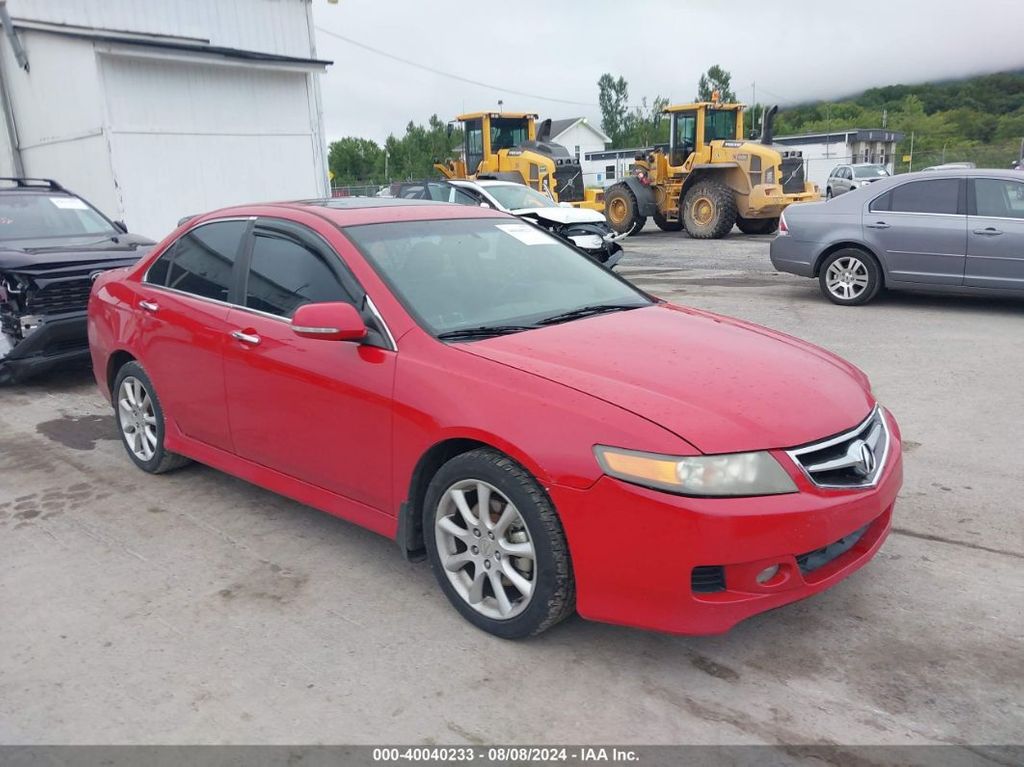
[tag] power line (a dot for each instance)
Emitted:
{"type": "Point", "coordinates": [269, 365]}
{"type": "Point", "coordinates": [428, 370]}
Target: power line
{"type": "Point", "coordinates": [449, 75]}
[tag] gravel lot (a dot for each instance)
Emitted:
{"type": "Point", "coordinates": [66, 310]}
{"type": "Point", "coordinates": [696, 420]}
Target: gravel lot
{"type": "Point", "coordinates": [194, 608]}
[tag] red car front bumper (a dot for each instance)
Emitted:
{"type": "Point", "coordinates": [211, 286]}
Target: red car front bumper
{"type": "Point", "coordinates": [634, 550]}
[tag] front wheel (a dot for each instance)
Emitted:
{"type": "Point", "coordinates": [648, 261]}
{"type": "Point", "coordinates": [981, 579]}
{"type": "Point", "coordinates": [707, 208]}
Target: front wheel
{"type": "Point", "coordinates": [622, 210]}
{"type": "Point", "coordinates": [496, 545]}
{"type": "Point", "coordinates": [850, 277]}
{"type": "Point", "coordinates": [828, 193]}
{"type": "Point", "coordinates": [140, 419]}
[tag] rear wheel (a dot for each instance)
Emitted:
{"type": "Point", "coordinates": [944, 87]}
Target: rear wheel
{"type": "Point", "coordinates": [757, 225]}
{"type": "Point", "coordinates": [850, 277]}
{"type": "Point", "coordinates": [709, 210]}
{"type": "Point", "coordinates": [665, 225]}
{"type": "Point", "coordinates": [622, 211]}
{"type": "Point", "coordinates": [496, 545]}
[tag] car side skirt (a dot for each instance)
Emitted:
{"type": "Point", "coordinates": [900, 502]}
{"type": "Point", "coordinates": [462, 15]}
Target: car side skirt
{"type": "Point", "coordinates": [282, 484]}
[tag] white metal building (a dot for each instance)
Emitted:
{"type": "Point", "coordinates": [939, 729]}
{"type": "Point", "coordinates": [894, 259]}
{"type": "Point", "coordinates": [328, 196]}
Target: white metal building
{"type": "Point", "coordinates": [155, 110]}
{"type": "Point", "coordinates": [580, 137]}
{"type": "Point", "coordinates": [824, 151]}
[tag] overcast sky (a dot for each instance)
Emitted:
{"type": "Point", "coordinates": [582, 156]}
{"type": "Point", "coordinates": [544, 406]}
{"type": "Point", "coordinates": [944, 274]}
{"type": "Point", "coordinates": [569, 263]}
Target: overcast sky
{"type": "Point", "coordinates": [797, 50]}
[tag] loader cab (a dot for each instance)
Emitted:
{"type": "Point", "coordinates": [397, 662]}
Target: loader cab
{"type": "Point", "coordinates": [487, 133]}
{"type": "Point", "coordinates": [692, 127]}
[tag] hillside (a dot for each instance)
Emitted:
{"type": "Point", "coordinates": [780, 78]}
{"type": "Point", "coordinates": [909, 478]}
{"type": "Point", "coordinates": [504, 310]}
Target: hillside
{"type": "Point", "coordinates": [980, 119]}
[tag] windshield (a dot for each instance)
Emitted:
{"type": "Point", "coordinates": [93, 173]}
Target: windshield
{"type": "Point", "coordinates": [35, 216]}
{"type": "Point", "coordinates": [870, 171]}
{"type": "Point", "coordinates": [469, 273]}
{"type": "Point", "coordinates": [508, 132]}
{"type": "Point", "coordinates": [517, 196]}
{"type": "Point", "coordinates": [719, 124]}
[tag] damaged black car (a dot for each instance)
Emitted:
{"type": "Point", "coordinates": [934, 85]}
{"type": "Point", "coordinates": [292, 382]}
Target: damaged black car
{"type": "Point", "coordinates": [52, 245]}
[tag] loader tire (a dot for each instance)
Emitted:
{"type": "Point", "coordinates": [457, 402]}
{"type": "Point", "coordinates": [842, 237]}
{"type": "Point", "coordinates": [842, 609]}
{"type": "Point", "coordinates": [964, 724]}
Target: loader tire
{"type": "Point", "coordinates": [665, 225]}
{"type": "Point", "coordinates": [709, 210]}
{"type": "Point", "coordinates": [621, 210]}
{"type": "Point", "coordinates": [757, 225]}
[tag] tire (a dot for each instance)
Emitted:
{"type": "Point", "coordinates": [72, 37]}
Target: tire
{"type": "Point", "coordinates": [451, 538]}
{"type": "Point", "coordinates": [757, 225]}
{"type": "Point", "coordinates": [850, 277]}
{"type": "Point", "coordinates": [665, 225]}
{"type": "Point", "coordinates": [828, 193]}
{"type": "Point", "coordinates": [709, 210]}
{"type": "Point", "coordinates": [621, 210]}
{"type": "Point", "coordinates": [137, 404]}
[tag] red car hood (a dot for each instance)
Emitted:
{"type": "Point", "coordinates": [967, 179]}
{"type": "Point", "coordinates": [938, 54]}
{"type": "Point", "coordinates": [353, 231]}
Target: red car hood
{"type": "Point", "coordinates": [720, 384]}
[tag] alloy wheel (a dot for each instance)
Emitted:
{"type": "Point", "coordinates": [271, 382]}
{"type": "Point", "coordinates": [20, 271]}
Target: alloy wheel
{"type": "Point", "coordinates": [137, 418]}
{"type": "Point", "coordinates": [485, 549]}
{"type": "Point", "coordinates": [847, 277]}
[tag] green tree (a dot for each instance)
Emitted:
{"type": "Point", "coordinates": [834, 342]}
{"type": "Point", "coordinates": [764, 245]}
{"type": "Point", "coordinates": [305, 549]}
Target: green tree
{"type": "Point", "coordinates": [613, 98]}
{"type": "Point", "coordinates": [355, 160]}
{"type": "Point", "coordinates": [646, 125]}
{"type": "Point", "coordinates": [715, 79]}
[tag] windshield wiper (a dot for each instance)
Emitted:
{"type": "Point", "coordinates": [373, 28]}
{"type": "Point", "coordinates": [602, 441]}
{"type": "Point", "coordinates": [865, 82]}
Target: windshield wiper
{"type": "Point", "coordinates": [587, 311]}
{"type": "Point", "coordinates": [483, 331]}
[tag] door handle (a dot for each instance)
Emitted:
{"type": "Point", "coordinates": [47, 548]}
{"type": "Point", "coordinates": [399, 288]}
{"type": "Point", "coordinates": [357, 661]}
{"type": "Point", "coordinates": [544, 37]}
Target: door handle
{"type": "Point", "coordinates": [246, 338]}
{"type": "Point", "coordinates": [148, 306]}
{"type": "Point", "coordinates": [878, 225]}
{"type": "Point", "coordinates": [989, 231]}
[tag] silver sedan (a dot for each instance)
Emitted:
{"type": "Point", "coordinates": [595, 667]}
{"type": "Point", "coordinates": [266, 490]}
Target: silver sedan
{"type": "Point", "coordinates": [953, 231]}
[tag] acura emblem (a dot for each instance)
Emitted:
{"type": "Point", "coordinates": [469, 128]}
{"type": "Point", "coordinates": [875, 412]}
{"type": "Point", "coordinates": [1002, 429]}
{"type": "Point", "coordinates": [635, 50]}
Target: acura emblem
{"type": "Point", "coordinates": [865, 457]}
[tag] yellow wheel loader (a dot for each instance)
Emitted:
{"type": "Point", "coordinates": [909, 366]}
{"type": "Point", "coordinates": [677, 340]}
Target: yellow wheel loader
{"type": "Point", "coordinates": [510, 146]}
{"type": "Point", "coordinates": [709, 177]}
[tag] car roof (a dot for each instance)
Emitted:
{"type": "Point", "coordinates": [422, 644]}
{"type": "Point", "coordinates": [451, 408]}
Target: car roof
{"type": "Point", "coordinates": [353, 211]}
{"type": "Point", "coordinates": [484, 182]}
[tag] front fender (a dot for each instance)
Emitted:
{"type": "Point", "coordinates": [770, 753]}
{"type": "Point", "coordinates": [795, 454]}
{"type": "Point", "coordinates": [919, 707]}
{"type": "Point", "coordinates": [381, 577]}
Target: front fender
{"type": "Point", "coordinates": [645, 203]}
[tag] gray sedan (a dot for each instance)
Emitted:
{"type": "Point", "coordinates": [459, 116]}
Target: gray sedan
{"type": "Point", "coordinates": [954, 231]}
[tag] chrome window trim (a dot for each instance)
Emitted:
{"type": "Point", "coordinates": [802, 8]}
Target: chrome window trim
{"type": "Point", "coordinates": [392, 344]}
{"type": "Point", "coordinates": [377, 315]}
{"type": "Point", "coordinates": [846, 436]}
{"type": "Point", "coordinates": [145, 275]}
{"type": "Point", "coordinates": [915, 213]}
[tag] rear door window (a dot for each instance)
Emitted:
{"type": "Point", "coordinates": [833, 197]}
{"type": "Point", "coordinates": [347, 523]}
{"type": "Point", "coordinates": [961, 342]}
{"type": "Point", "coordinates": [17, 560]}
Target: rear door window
{"type": "Point", "coordinates": [941, 195]}
{"type": "Point", "coordinates": [292, 266]}
{"type": "Point", "coordinates": [201, 261]}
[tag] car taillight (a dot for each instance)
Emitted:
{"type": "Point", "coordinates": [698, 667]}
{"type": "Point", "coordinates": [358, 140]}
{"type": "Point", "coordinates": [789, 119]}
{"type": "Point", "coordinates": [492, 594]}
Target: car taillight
{"type": "Point", "coordinates": [783, 226]}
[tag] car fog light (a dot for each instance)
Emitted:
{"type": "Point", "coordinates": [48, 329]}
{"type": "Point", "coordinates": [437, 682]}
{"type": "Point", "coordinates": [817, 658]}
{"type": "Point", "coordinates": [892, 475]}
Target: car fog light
{"type": "Point", "coordinates": [767, 574]}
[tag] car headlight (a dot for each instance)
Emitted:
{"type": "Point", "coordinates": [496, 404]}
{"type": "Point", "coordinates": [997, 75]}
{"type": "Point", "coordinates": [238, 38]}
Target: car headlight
{"type": "Point", "coordinates": [769, 176]}
{"type": "Point", "coordinates": [733, 474]}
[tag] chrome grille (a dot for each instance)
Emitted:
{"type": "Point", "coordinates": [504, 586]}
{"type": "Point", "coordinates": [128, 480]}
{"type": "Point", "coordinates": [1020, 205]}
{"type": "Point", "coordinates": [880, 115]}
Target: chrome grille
{"type": "Point", "coordinates": [852, 459]}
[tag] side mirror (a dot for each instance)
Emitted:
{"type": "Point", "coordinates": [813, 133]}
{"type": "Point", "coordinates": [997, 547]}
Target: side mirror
{"type": "Point", "coordinates": [334, 321]}
{"type": "Point", "coordinates": [486, 205]}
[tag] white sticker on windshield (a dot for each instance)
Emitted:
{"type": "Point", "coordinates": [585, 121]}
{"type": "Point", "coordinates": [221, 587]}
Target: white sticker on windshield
{"type": "Point", "coordinates": [69, 203]}
{"type": "Point", "coordinates": [526, 234]}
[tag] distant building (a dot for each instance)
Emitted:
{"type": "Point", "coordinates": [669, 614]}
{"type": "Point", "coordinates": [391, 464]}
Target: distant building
{"type": "Point", "coordinates": [155, 110]}
{"type": "Point", "coordinates": [823, 151]}
{"type": "Point", "coordinates": [603, 168]}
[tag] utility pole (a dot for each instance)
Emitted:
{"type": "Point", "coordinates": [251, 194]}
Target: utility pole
{"type": "Point", "coordinates": [910, 167]}
{"type": "Point", "coordinates": [387, 178]}
{"type": "Point", "coordinates": [885, 118]}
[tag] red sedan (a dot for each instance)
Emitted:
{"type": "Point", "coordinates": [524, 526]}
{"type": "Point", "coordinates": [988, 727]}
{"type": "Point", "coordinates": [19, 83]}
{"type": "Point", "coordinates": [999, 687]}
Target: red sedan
{"type": "Point", "coordinates": [551, 437]}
